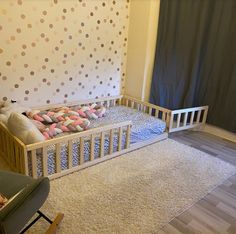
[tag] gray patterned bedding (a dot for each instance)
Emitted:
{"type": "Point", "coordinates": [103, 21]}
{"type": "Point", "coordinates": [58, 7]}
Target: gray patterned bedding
{"type": "Point", "coordinates": [144, 127]}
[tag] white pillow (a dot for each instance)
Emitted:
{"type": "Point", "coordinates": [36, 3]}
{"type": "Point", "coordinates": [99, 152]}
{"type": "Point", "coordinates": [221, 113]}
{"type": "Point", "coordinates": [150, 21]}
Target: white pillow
{"type": "Point", "coordinates": [3, 118]}
{"type": "Point", "coordinates": [24, 129]}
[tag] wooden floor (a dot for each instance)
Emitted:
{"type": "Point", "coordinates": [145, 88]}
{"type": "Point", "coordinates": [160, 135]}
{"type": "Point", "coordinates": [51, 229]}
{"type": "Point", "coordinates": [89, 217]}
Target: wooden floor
{"type": "Point", "coordinates": [215, 213]}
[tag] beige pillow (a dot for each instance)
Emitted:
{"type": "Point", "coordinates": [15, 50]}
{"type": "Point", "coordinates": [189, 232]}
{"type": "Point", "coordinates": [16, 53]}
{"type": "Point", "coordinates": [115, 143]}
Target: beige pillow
{"type": "Point", "coordinates": [24, 129]}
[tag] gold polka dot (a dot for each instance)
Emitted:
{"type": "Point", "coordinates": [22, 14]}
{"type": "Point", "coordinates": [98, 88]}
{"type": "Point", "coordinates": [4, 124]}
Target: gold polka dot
{"type": "Point", "coordinates": [1, 51]}
{"type": "Point", "coordinates": [24, 46]}
{"type": "Point", "coordinates": [8, 63]}
{"type": "Point", "coordinates": [18, 30]}
{"type": "Point", "coordinates": [44, 12]}
{"type": "Point", "coordinates": [19, 2]}
{"type": "Point", "coordinates": [0, 27]}
{"type": "Point", "coordinates": [22, 16]}
{"type": "Point", "coordinates": [29, 25]}
{"type": "Point", "coordinates": [16, 86]}
{"type": "Point", "coordinates": [41, 20]}
{"type": "Point", "coordinates": [4, 78]}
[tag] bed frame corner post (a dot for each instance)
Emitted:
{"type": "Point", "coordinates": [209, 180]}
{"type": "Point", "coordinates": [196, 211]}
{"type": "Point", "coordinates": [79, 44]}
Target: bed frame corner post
{"type": "Point", "coordinates": [25, 162]}
{"type": "Point", "coordinates": [205, 115]}
{"type": "Point", "coordinates": [169, 122]}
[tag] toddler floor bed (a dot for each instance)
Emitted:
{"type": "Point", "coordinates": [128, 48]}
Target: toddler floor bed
{"type": "Point", "coordinates": [128, 124]}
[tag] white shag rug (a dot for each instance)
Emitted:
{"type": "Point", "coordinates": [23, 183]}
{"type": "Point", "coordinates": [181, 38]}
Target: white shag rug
{"type": "Point", "coordinates": [138, 192]}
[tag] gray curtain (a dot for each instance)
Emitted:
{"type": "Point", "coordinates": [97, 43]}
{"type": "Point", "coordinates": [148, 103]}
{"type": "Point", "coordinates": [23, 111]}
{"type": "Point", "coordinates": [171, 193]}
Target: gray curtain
{"type": "Point", "coordinates": [196, 57]}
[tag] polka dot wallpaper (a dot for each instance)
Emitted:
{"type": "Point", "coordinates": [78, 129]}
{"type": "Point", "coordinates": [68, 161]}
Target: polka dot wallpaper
{"type": "Point", "coordinates": [54, 51]}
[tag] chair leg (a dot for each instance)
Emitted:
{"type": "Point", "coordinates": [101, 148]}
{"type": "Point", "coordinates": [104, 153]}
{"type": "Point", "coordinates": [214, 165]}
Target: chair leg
{"type": "Point", "coordinates": [30, 224]}
{"type": "Point", "coordinates": [53, 224]}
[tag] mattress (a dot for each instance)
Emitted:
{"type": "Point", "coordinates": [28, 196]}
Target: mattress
{"type": "Point", "coordinates": [144, 127]}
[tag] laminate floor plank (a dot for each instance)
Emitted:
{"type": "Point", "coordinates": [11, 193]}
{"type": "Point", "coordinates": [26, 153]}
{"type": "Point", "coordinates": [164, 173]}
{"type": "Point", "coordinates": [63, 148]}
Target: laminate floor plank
{"type": "Point", "coordinates": [216, 212]}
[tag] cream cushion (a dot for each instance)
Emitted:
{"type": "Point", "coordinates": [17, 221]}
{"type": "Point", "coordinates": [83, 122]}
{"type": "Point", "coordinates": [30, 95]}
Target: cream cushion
{"type": "Point", "coordinates": [20, 126]}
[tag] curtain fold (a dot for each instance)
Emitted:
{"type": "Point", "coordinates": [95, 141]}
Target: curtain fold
{"type": "Point", "coordinates": [196, 57]}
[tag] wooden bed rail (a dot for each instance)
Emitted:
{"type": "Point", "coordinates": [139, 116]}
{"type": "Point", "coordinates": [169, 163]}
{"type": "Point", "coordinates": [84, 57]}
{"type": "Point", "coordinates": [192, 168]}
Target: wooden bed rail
{"type": "Point", "coordinates": [92, 146]}
{"type": "Point", "coordinates": [159, 112]}
{"type": "Point", "coordinates": [100, 133]}
{"type": "Point", "coordinates": [23, 158]}
{"type": "Point", "coordinates": [187, 118]}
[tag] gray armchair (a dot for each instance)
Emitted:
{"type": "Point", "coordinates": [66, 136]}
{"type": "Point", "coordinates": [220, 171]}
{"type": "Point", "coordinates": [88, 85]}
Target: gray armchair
{"type": "Point", "coordinates": [15, 215]}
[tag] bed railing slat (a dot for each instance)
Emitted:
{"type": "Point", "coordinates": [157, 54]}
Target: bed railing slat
{"type": "Point", "coordinates": [178, 119]}
{"type": "Point", "coordinates": [128, 137]}
{"type": "Point", "coordinates": [145, 109]}
{"type": "Point", "coordinates": [149, 110]}
{"type": "Point", "coordinates": [34, 164]}
{"type": "Point", "coordinates": [185, 118]}
{"type": "Point", "coordinates": [58, 158]}
{"type": "Point", "coordinates": [120, 139]}
{"type": "Point", "coordinates": [102, 145]}
{"type": "Point", "coordinates": [157, 113]}
{"type": "Point", "coordinates": [111, 141]}
{"type": "Point", "coordinates": [127, 102]}
{"type": "Point", "coordinates": [163, 117]}
{"type": "Point", "coordinates": [91, 148]}
{"type": "Point", "coordinates": [45, 162]}
{"type": "Point", "coordinates": [81, 161]}
{"type": "Point", "coordinates": [132, 104]}
{"type": "Point", "coordinates": [14, 151]}
{"type": "Point", "coordinates": [70, 153]}
{"type": "Point", "coordinates": [198, 116]}
{"type": "Point", "coordinates": [192, 117]}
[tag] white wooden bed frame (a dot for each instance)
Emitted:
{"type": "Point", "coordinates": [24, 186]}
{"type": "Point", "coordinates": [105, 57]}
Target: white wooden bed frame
{"type": "Point", "coordinates": [15, 152]}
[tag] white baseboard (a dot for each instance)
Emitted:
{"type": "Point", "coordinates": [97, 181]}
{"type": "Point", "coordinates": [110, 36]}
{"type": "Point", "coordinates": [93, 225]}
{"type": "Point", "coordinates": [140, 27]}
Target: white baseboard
{"type": "Point", "coordinates": [219, 132]}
